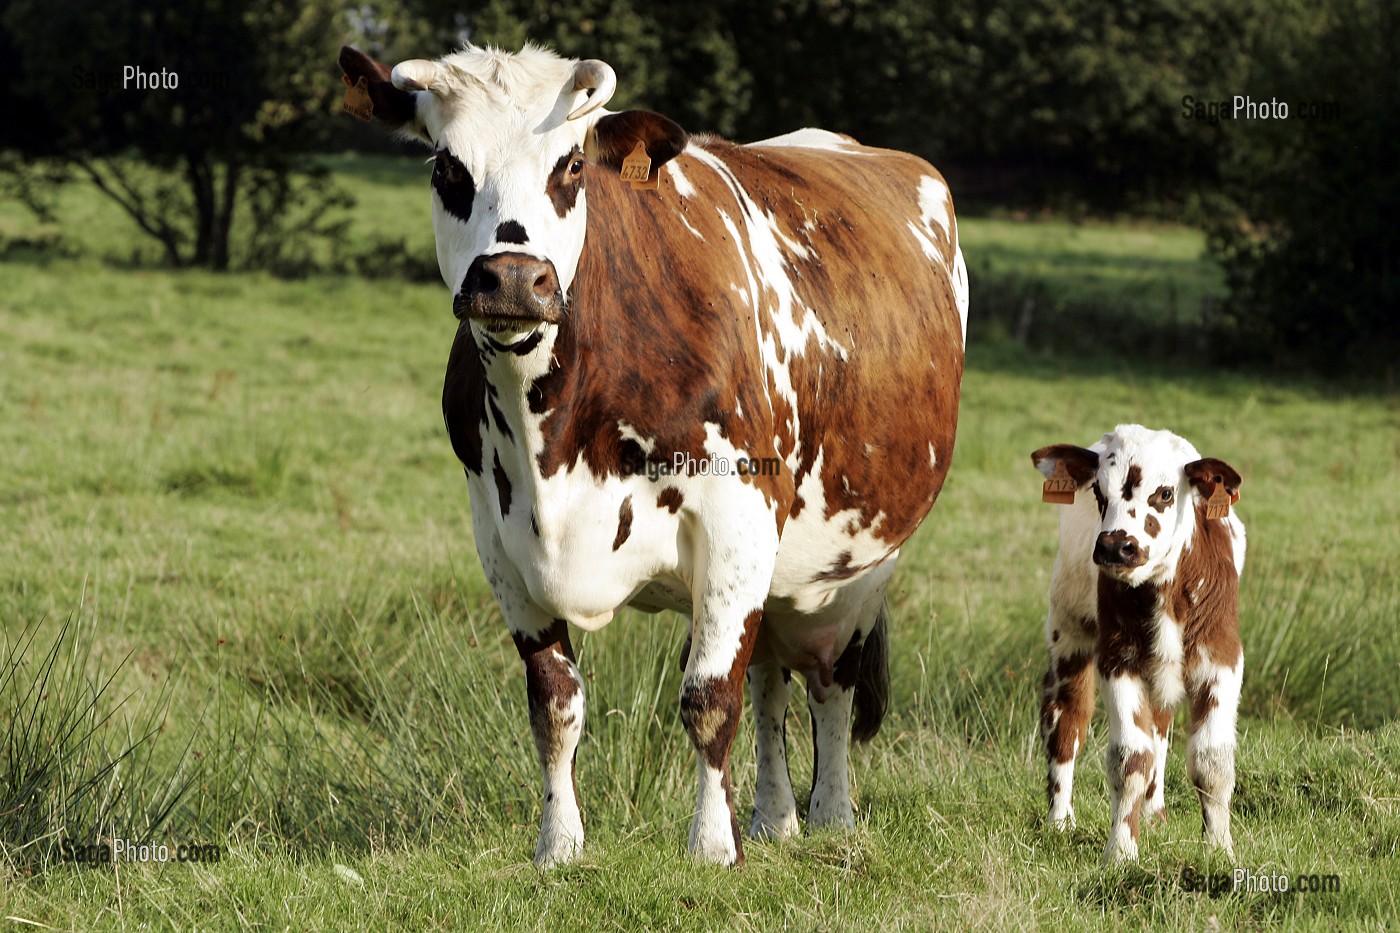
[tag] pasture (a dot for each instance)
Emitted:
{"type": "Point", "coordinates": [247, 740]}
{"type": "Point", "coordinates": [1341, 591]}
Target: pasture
{"type": "Point", "coordinates": [239, 602]}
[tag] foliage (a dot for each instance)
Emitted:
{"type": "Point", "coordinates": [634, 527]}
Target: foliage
{"type": "Point", "coordinates": [1312, 259]}
{"type": "Point", "coordinates": [245, 103]}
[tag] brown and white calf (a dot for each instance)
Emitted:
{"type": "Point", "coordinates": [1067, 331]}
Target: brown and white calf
{"type": "Point", "coordinates": [800, 301]}
{"type": "Point", "coordinates": [1146, 590]}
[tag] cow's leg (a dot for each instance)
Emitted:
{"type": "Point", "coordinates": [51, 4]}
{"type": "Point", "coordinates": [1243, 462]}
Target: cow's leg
{"type": "Point", "coordinates": [774, 807]}
{"type": "Point", "coordinates": [831, 730]}
{"type": "Point", "coordinates": [712, 695]}
{"type": "Point", "coordinates": [555, 693]}
{"type": "Point", "coordinates": [1131, 751]}
{"type": "Point", "coordinates": [1067, 705]}
{"type": "Point", "coordinates": [1214, 691]}
{"type": "Point", "coordinates": [1155, 807]}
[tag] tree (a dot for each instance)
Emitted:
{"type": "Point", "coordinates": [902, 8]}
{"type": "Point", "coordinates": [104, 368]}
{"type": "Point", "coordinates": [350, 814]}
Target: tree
{"type": "Point", "coordinates": [1312, 256]}
{"type": "Point", "coordinates": [94, 92]}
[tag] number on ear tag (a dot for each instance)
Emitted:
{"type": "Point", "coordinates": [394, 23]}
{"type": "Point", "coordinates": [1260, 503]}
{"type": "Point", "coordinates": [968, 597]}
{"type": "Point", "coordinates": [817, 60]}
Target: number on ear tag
{"type": "Point", "coordinates": [636, 168]}
{"type": "Point", "coordinates": [1060, 488]}
{"type": "Point", "coordinates": [1218, 505]}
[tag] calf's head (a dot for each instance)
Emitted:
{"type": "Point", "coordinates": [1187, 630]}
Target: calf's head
{"type": "Point", "coordinates": [514, 139]}
{"type": "Point", "coordinates": [1151, 488]}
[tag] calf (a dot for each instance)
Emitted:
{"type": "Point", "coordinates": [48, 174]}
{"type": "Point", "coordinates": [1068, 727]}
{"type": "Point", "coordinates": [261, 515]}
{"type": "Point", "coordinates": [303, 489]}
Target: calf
{"type": "Point", "coordinates": [1145, 585]}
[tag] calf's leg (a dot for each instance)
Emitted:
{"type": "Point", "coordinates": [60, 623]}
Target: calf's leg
{"type": "Point", "coordinates": [1067, 704]}
{"type": "Point", "coordinates": [1214, 691]}
{"type": "Point", "coordinates": [1129, 761]}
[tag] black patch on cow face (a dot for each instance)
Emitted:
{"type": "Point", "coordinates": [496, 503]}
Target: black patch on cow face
{"type": "Point", "coordinates": [454, 185]}
{"type": "Point", "coordinates": [1133, 480]}
{"type": "Point", "coordinates": [566, 181]}
{"type": "Point", "coordinates": [511, 232]}
{"type": "Point", "coordinates": [1100, 498]}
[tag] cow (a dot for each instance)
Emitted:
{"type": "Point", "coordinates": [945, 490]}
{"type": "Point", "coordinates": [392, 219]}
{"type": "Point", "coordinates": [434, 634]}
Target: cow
{"type": "Point", "coordinates": [644, 318]}
{"type": "Point", "coordinates": [1145, 589]}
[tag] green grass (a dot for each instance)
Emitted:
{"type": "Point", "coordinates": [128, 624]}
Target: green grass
{"type": "Point", "coordinates": [233, 496]}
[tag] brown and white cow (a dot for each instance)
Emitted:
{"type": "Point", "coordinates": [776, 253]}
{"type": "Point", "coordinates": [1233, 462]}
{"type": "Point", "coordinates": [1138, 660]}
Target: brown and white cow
{"type": "Point", "coordinates": [1145, 586]}
{"type": "Point", "coordinates": [800, 301]}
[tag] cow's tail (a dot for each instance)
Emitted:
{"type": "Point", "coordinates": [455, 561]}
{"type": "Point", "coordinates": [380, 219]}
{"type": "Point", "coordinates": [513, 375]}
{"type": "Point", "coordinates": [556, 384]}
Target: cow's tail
{"type": "Point", "coordinates": [872, 699]}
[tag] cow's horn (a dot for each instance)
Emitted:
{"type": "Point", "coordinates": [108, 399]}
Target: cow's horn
{"type": "Point", "coordinates": [592, 73]}
{"type": "Point", "coordinates": [416, 74]}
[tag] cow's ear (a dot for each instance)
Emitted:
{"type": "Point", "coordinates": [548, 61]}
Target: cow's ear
{"type": "Point", "coordinates": [1207, 473]}
{"type": "Point", "coordinates": [614, 136]}
{"type": "Point", "coordinates": [392, 107]}
{"type": "Point", "coordinates": [1081, 464]}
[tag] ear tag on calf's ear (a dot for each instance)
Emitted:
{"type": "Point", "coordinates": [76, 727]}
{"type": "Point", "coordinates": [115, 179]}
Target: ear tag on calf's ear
{"type": "Point", "coordinates": [636, 168]}
{"type": "Point", "coordinates": [357, 101]}
{"type": "Point", "coordinates": [1059, 489]}
{"type": "Point", "coordinates": [1218, 505]}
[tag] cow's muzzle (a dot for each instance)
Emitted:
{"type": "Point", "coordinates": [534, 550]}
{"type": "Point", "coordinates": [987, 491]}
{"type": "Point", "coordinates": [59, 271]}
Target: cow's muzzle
{"type": "Point", "coordinates": [506, 289]}
{"type": "Point", "coordinates": [1116, 550]}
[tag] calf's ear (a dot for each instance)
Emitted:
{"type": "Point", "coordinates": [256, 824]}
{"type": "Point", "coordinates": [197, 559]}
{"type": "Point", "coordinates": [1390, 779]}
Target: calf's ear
{"type": "Point", "coordinates": [614, 137]}
{"type": "Point", "coordinates": [1207, 473]}
{"type": "Point", "coordinates": [393, 108]}
{"type": "Point", "coordinates": [1081, 463]}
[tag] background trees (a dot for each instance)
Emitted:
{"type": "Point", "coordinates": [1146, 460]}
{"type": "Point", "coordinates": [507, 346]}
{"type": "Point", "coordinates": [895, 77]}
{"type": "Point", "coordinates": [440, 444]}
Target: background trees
{"type": "Point", "coordinates": [1073, 106]}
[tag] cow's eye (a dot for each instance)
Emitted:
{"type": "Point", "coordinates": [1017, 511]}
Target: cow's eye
{"type": "Point", "coordinates": [576, 167]}
{"type": "Point", "coordinates": [1166, 495]}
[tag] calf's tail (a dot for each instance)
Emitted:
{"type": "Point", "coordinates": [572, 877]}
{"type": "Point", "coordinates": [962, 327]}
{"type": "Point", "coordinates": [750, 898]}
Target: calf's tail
{"type": "Point", "coordinates": [872, 698]}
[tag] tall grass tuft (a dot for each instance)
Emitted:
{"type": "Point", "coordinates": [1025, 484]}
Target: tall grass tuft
{"type": "Point", "coordinates": [78, 761]}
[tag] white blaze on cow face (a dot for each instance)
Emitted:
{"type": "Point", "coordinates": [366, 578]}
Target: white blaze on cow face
{"type": "Point", "coordinates": [508, 160]}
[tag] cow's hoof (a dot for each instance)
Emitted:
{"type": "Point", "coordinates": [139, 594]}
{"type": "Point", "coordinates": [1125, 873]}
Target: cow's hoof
{"type": "Point", "coordinates": [560, 850]}
{"type": "Point", "coordinates": [832, 816]}
{"type": "Point", "coordinates": [1119, 851]}
{"type": "Point", "coordinates": [1224, 843]}
{"type": "Point", "coordinates": [773, 827]}
{"type": "Point", "coordinates": [715, 842]}
{"type": "Point", "coordinates": [1156, 816]}
{"type": "Point", "coordinates": [1060, 823]}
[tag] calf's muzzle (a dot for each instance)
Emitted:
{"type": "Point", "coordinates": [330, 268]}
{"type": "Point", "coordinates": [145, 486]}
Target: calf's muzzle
{"type": "Point", "coordinates": [1117, 549]}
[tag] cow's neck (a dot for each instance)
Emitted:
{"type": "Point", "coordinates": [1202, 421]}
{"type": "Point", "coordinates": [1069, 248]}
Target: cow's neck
{"type": "Point", "coordinates": [524, 385]}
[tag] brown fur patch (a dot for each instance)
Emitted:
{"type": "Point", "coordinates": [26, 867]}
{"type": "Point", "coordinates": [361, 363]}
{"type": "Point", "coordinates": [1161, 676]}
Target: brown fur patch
{"type": "Point", "coordinates": [1162, 498]}
{"type": "Point", "coordinates": [549, 683]}
{"type": "Point", "coordinates": [670, 498]}
{"type": "Point", "coordinates": [563, 186]}
{"type": "Point", "coordinates": [624, 523]}
{"type": "Point", "coordinates": [1080, 462]}
{"type": "Point", "coordinates": [1126, 616]}
{"type": "Point", "coordinates": [1205, 596]}
{"type": "Point", "coordinates": [1068, 689]}
{"type": "Point", "coordinates": [1152, 526]}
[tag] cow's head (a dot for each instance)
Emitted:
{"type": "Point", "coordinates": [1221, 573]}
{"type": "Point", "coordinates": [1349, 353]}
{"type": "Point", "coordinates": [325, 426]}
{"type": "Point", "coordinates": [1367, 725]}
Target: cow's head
{"type": "Point", "coordinates": [515, 138]}
{"type": "Point", "coordinates": [1151, 488]}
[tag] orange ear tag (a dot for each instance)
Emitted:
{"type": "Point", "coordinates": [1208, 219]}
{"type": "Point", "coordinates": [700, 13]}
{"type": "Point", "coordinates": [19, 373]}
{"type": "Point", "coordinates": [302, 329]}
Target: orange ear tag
{"type": "Point", "coordinates": [1060, 488]}
{"type": "Point", "coordinates": [1218, 505]}
{"type": "Point", "coordinates": [636, 168]}
{"type": "Point", "coordinates": [357, 101]}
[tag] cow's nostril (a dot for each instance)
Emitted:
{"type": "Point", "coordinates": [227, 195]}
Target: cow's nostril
{"type": "Point", "coordinates": [1129, 548]}
{"type": "Point", "coordinates": [487, 283]}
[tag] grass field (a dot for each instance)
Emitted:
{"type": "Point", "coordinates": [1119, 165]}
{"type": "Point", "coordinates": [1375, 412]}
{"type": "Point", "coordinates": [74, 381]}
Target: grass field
{"type": "Point", "coordinates": [228, 505]}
